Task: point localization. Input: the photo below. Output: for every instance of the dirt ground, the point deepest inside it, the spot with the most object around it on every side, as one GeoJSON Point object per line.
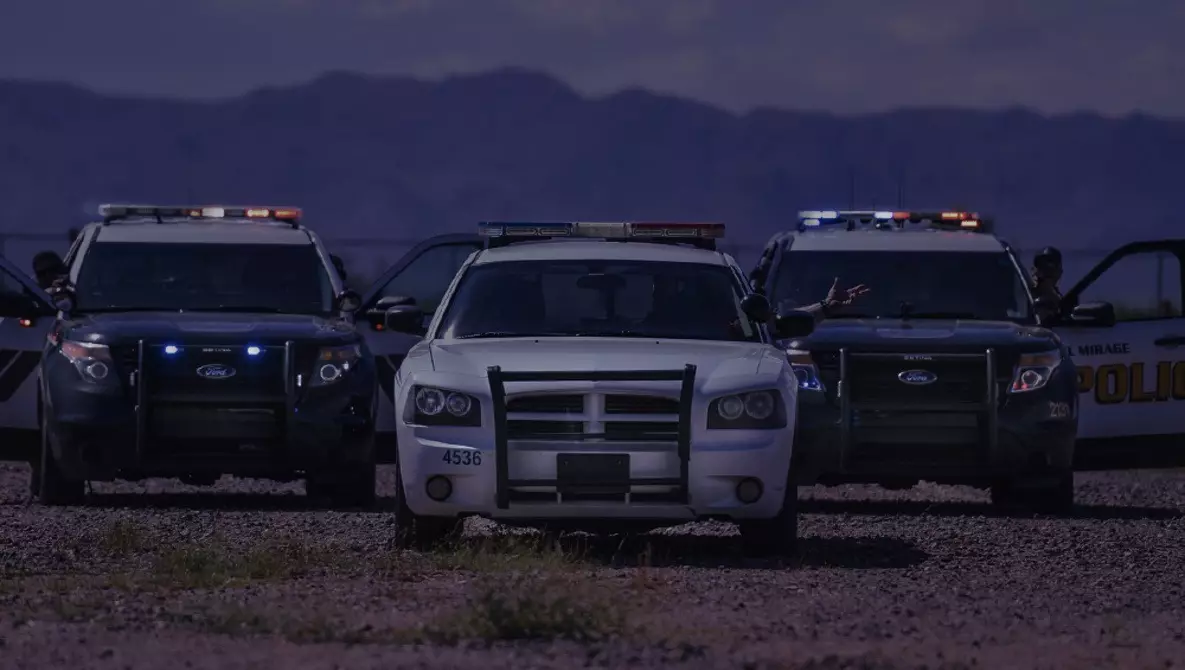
{"type": "Point", "coordinates": [249, 575]}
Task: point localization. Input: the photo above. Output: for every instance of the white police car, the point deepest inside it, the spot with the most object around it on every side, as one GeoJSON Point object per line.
{"type": "Point", "coordinates": [598, 376]}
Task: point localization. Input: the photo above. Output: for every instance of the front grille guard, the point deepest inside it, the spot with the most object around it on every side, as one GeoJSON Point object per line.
{"type": "Point", "coordinates": [499, 378]}
{"type": "Point", "coordinates": [988, 408]}
{"type": "Point", "coordinates": [140, 383]}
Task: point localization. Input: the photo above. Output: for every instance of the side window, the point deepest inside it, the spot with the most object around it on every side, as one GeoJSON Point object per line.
{"type": "Point", "coordinates": [428, 276]}
{"type": "Point", "coordinates": [1142, 286]}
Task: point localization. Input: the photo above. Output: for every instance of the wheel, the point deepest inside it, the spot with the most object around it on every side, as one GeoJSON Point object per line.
{"type": "Point", "coordinates": [413, 531]}
{"type": "Point", "coordinates": [353, 486]}
{"type": "Point", "coordinates": [777, 536]}
{"type": "Point", "coordinates": [1051, 496]}
{"type": "Point", "coordinates": [52, 486]}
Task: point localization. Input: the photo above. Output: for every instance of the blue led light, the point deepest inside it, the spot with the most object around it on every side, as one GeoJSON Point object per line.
{"type": "Point", "coordinates": [254, 350]}
{"type": "Point", "coordinates": [171, 349]}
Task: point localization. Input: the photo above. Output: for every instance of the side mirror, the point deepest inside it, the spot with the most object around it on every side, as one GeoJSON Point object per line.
{"type": "Point", "coordinates": [1093, 315]}
{"type": "Point", "coordinates": [377, 315]}
{"type": "Point", "coordinates": [64, 302]}
{"type": "Point", "coordinates": [405, 319]}
{"type": "Point", "coordinates": [349, 301]}
{"type": "Point", "coordinates": [756, 307]}
{"type": "Point", "coordinates": [794, 323]}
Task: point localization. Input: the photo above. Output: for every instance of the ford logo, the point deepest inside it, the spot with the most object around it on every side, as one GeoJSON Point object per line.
{"type": "Point", "coordinates": [216, 371]}
{"type": "Point", "coordinates": [917, 377]}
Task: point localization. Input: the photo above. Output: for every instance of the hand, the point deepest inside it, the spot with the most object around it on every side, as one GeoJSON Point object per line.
{"type": "Point", "coordinates": [844, 296]}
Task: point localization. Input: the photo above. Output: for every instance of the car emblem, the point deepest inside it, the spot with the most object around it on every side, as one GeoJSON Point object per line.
{"type": "Point", "coordinates": [216, 371]}
{"type": "Point", "coordinates": [917, 377]}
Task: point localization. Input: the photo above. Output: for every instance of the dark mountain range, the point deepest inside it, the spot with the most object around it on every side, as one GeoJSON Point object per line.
{"type": "Point", "coordinates": [404, 158]}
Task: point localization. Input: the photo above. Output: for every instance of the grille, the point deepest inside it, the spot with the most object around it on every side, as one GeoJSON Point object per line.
{"type": "Point", "coordinates": [640, 404]}
{"type": "Point", "coordinates": [517, 429]}
{"type": "Point", "coordinates": [174, 377]}
{"type": "Point", "coordinates": [546, 404]}
{"type": "Point", "coordinates": [958, 381]}
{"type": "Point", "coordinates": [645, 431]}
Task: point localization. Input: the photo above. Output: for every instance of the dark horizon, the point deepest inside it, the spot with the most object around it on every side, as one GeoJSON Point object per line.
{"type": "Point", "coordinates": [849, 56]}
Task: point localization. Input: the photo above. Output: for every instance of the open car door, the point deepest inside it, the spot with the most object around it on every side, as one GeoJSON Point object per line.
{"type": "Point", "coordinates": [1131, 375]}
{"type": "Point", "coordinates": [420, 277]}
{"type": "Point", "coordinates": [26, 315]}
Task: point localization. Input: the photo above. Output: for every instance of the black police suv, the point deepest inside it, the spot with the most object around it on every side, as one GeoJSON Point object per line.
{"type": "Point", "coordinates": [197, 342]}
{"type": "Point", "coordinates": [940, 372]}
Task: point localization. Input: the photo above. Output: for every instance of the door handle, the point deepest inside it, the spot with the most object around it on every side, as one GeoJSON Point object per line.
{"type": "Point", "coordinates": [1170, 341]}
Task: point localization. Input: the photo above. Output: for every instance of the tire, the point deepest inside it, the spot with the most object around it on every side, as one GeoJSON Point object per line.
{"type": "Point", "coordinates": [777, 536]}
{"type": "Point", "coordinates": [423, 533]}
{"type": "Point", "coordinates": [345, 487]}
{"type": "Point", "coordinates": [1054, 496]}
{"type": "Point", "coordinates": [53, 487]}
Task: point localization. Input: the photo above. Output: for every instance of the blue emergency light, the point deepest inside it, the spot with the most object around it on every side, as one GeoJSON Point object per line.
{"type": "Point", "coordinates": [813, 219]}
{"type": "Point", "coordinates": [502, 233]}
{"type": "Point", "coordinates": [188, 213]}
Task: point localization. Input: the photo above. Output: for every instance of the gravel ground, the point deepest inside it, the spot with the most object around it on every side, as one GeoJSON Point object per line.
{"type": "Point", "coordinates": [247, 574]}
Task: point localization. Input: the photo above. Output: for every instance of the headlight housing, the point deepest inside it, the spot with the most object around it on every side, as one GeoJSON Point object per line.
{"type": "Point", "coordinates": [805, 370]}
{"type": "Point", "coordinates": [749, 410]}
{"type": "Point", "coordinates": [334, 362]}
{"type": "Point", "coordinates": [432, 406]}
{"type": "Point", "coordinates": [1033, 371]}
{"type": "Point", "coordinates": [93, 361]}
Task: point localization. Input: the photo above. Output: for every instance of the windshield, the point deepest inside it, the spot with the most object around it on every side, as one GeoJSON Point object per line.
{"type": "Point", "coordinates": [921, 284]}
{"type": "Point", "coordinates": [598, 298]}
{"type": "Point", "coordinates": [118, 276]}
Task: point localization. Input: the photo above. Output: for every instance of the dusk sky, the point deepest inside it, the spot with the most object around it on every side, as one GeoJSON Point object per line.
{"type": "Point", "coordinates": [1111, 56]}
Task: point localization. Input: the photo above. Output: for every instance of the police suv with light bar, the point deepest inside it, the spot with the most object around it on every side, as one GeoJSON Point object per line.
{"type": "Point", "coordinates": [603, 376]}
{"type": "Point", "coordinates": [202, 341]}
{"type": "Point", "coordinates": [941, 372]}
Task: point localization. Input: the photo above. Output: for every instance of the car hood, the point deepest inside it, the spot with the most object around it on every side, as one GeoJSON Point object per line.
{"type": "Point", "coordinates": [116, 328]}
{"type": "Point", "coordinates": [934, 335]}
{"type": "Point", "coordinates": [713, 360]}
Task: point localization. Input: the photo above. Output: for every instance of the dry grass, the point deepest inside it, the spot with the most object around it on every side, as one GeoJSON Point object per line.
{"type": "Point", "coordinates": [534, 606]}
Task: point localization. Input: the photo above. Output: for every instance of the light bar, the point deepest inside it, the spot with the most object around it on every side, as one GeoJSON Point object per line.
{"type": "Point", "coordinates": [892, 220]}
{"type": "Point", "coordinates": [159, 212]}
{"type": "Point", "coordinates": [640, 230]}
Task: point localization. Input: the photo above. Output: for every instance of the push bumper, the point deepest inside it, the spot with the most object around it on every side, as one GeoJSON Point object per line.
{"type": "Point", "coordinates": [543, 476]}
{"type": "Point", "coordinates": [131, 430]}
{"type": "Point", "coordinates": [1000, 436]}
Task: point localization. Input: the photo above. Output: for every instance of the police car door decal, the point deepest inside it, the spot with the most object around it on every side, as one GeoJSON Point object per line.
{"type": "Point", "coordinates": [423, 274]}
{"type": "Point", "coordinates": [25, 319]}
{"type": "Point", "coordinates": [1131, 377]}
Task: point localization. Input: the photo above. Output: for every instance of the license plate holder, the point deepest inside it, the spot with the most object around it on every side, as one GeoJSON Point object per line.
{"type": "Point", "coordinates": [603, 474]}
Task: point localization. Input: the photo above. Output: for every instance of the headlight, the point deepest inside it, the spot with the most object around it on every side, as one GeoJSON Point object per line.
{"type": "Point", "coordinates": [752, 410]}
{"type": "Point", "coordinates": [93, 361]}
{"type": "Point", "coordinates": [805, 370]}
{"type": "Point", "coordinates": [334, 362]}
{"type": "Point", "coordinates": [1033, 371]}
{"type": "Point", "coordinates": [431, 406]}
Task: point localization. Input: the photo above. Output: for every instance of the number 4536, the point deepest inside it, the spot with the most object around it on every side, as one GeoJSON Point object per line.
{"type": "Point", "coordinates": [461, 457]}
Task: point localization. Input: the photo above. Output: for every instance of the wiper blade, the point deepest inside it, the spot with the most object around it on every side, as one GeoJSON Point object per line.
{"type": "Point", "coordinates": [119, 308]}
{"type": "Point", "coordinates": [505, 333]}
{"type": "Point", "coordinates": [615, 333]}
{"type": "Point", "coordinates": [229, 308]}
{"type": "Point", "coordinates": [939, 315]}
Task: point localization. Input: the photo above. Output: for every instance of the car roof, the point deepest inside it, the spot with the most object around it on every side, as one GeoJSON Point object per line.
{"type": "Point", "coordinates": [600, 250]}
{"type": "Point", "coordinates": [203, 233]}
{"type": "Point", "coordinates": [888, 240]}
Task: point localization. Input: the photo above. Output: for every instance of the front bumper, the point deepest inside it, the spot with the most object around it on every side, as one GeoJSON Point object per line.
{"type": "Point", "coordinates": [1003, 436]}
{"type": "Point", "coordinates": [141, 427]}
{"type": "Point", "coordinates": [541, 477]}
